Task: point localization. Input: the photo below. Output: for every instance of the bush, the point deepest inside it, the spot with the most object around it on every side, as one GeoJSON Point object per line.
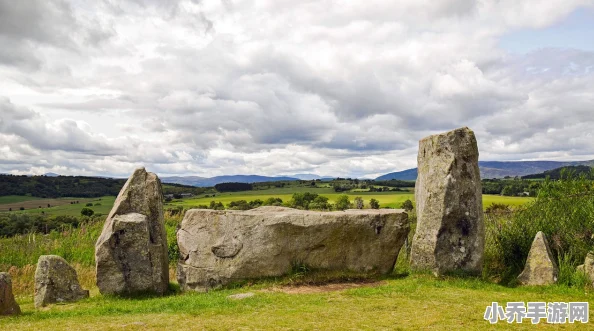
{"type": "Point", "coordinates": [89, 204]}
{"type": "Point", "coordinates": [407, 205]}
{"type": "Point", "coordinates": [343, 202]}
{"type": "Point", "coordinates": [320, 203]}
{"type": "Point", "coordinates": [358, 203]}
{"type": "Point", "coordinates": [374, 204]}
{"type": "Point", "coordinates": [273, 202]}
{"type": "Point", "coordinates": [563, 211]}
{"type": "Point", "coordinates": [87, 212]}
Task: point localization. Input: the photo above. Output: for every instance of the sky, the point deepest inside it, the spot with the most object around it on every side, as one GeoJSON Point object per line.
{"type": "Point", "coordinates": [278, 87]}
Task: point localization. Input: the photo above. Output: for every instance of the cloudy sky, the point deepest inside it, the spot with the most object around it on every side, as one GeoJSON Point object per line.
{"type": "Point", "coordinates": [274, 87]}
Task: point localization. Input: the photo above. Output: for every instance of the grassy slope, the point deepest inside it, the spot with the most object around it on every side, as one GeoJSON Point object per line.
{"type": "Point", "coordinates": [413, 302]}
{"type": "Point", "coordinates": [61, 206]}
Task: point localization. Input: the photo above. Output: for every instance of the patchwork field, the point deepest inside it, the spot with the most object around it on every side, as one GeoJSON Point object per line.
{"type": "Point", "coordinates": [61, 206]}
{"type": "Point", "coordinates": [386, 199]}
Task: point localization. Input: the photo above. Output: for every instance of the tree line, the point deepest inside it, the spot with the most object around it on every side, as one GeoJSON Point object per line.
{"type": "Point", "coordinates": [75, 186]}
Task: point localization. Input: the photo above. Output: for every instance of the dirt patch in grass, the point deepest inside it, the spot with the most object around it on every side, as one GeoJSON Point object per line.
{"type": "Point", "coordinates": [332, 287]}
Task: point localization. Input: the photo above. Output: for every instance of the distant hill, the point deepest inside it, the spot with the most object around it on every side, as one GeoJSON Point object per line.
{"type": "Point", "coordinates": [310, 177]}
{"type": "Point", "coordinates": [499, 169]}
{"type": "Point", "coordinates": [51, 174]}
{"type": "Point", "coordinates": [409, 174]}
{"type": "Point", "coordinates": [209, 182]}
{"type": "Point", "coordinates": [75, 186]}
{"type": "Point", "coordinates": [556, 173]}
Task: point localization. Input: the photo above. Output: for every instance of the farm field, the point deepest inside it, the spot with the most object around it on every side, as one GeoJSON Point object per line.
{"type": "Point", "coordinates": [386, 199]}
{"type": "Point", "coordinates": [60, 206]}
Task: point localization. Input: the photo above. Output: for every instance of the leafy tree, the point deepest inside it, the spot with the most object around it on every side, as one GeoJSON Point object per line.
{"type": "Point", "coordinates": [302, 200]}
{"type": "Point", "coordinates": [407, 205]}
{"type": "Point", "coordinates": [87, 212]}
{"type": "Point", "coordinates": [320, 203]}
{"type": "Point", "coordinates": [233, 187]}
{"type": "Point", "coordinates": [343, 202]}
{"type": "Point", "coordinates": [358, 203]}
{"type": "Point", "coordinates": [374, 204]}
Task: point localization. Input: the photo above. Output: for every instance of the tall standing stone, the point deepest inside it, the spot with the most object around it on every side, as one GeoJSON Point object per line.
{"type": "Point", "coordinates": [131, 253]}
{"type": "Point", "coordinates": [450, 234]}
{"type": "Point", "coordinates": [540, 268]}
{"type": "Point", "coordinates": [8, 305]}
{"type": "Point", "coordinates": [56, 282]}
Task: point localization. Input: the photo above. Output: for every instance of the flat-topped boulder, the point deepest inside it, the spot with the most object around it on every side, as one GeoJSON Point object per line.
{"type": "Point", "coordinates": [218, 247]}
{"type": "Point", "coordinates": [8, 306]}
{"type": "Point", "coordinates": [450, 234]}
{"type": "Point", "coordinates": [56, 282]}
{"type": "Point", "coordinates": [131, 253]}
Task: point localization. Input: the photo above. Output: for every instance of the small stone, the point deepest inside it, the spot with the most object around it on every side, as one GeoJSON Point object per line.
{"type": "Point", "coordinates": [56, 281]}
{"type": "Point", "coordinates": [241, 296]}
{"type": "Point", "coordinates": [589, 266]}
{"type": "Point", "coordinates": [540, 268]}
{"type": "Point", "coordinates": [8, 305]}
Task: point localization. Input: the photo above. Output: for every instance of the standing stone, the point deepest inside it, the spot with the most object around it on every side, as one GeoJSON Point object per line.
{"type": "Point", "coordinates": [56, 281]}
{"type": "Point", "coordinates": [540, 268]}
{"type": "Point", "coordinates": [8, 305]}
{"type": "Point", "coordinates": [588, 267]}
{"type": "Point", "coordinates": [450, 233]}
{"type": "Point", "coordinates": [219, 247]}
{"type": "Point", "coordinates": [131, 253]}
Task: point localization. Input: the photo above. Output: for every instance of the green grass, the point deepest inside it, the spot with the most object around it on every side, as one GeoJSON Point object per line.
{"type": "Point", "coordinates": [413, 302]}
{"type": "Point", "coordinates": [59, 206]}
{"type": "Point", "coordinates": [15, 199]}
{"type": "Point", "coordinates": [386, 199]}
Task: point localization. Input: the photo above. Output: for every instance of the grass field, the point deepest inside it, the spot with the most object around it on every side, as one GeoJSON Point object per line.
{"type": "Point", "coordinates": [395, 303]}
{"type": "Point", "coordinates": [386, 199]}
{"type": "Point", "coordinates": [398, 301]}
{"type": "Point", "coordinates": [61, 206]}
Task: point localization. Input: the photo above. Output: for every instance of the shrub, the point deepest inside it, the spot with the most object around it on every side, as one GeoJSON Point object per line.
{"type": "Point", "coordinates": [343, 202]}
{"type": "Point", "coordinates": [89, 204]}
{"type": "Point", "coordinates": [407, 205]}
{"type": "Point", "coordinates": [374, 204]}
{"type": "Point", "coordinates": [87, 212]}
{"type": "Point", "coordinates": [273, 202]}
{"type": "Point", "coordinates": [563, 211]}
{"type": "Point", "coordinates": [358, 203]}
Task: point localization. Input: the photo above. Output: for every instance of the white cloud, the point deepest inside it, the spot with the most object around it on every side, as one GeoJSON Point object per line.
{"type": "Point", "coordinates": [278, 87]}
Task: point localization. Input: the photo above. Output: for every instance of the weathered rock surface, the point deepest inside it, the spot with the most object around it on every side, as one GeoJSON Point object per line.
{"type": "Point", "coordinates": [588, 266]}
{"type": "Point", "coordinates": [218, 247]}
{"type": "Point", "coordinates": [450, 234]}
{"type": "Point", "coordinates": [131, 253]}
{"type": "Point", "coordinates": [8, 306]}
{"type": "Point", "coordinates": [540, 268]}
{"type": "Point", "coordinates": [56, 281]}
